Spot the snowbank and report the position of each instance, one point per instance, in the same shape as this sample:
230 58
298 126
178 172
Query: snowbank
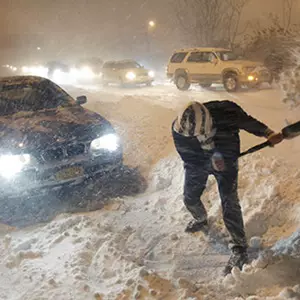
136 248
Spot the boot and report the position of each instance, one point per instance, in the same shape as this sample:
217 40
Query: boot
195 226
238 258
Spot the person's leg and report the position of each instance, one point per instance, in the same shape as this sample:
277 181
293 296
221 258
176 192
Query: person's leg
232 215
194 185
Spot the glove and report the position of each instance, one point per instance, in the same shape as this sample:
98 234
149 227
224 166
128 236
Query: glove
275 138
218 162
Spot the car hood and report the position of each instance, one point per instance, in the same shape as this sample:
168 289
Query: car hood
244 63
137 71
47 128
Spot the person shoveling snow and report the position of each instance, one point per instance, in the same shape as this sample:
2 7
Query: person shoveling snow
206 137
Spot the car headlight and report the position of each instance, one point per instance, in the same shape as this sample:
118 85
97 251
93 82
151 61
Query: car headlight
130 76
108 142
10 165
151 74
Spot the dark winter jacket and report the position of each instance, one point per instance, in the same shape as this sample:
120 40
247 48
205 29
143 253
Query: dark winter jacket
228 119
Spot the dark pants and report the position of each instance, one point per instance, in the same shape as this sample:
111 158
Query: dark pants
195 183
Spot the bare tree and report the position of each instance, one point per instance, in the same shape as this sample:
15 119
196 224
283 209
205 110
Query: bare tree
287 12
210 22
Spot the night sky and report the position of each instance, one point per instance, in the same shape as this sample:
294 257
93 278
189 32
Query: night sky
59 25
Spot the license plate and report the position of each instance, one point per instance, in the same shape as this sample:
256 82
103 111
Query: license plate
69 173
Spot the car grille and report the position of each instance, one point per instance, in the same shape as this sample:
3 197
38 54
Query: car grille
264 73
60 153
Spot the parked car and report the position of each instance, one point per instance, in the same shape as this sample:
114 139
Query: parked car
47 139
206 66
126 72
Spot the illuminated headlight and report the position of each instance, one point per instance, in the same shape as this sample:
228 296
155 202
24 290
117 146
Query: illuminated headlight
108 142
130 76
87 73
251 78
151 74
10 165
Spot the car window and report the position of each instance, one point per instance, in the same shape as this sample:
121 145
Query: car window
18 98
200 57
129 65
226 55
178 57
108 65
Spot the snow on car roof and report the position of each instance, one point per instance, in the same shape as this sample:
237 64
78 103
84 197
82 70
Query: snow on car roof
209 49
22 80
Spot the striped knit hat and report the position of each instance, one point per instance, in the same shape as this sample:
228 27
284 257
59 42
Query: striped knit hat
194 121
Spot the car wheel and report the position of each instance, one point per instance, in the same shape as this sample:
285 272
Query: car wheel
205 85
182 83
231 83
271 80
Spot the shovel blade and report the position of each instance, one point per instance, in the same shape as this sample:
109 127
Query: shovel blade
291 131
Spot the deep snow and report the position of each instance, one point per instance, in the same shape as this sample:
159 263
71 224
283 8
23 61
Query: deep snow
135 247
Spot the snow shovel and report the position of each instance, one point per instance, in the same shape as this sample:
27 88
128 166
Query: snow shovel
288 132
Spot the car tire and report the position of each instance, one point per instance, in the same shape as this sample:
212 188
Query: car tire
231 83
205 85
271 80
182 83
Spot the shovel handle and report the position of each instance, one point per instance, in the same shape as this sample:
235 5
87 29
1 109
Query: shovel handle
256 148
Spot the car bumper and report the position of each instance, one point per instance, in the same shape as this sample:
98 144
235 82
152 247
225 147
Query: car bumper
140 80
255 78
71 172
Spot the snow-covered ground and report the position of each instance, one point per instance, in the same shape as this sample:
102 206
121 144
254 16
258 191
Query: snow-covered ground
135 247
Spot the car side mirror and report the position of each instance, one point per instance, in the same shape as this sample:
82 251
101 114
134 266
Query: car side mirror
81 100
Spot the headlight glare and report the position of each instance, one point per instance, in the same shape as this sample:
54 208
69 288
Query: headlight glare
10 165
151 74
130 76
108 142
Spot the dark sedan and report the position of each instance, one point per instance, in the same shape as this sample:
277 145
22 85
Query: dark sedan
48 139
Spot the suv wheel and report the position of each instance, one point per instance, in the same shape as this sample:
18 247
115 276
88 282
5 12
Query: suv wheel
230 82
182 83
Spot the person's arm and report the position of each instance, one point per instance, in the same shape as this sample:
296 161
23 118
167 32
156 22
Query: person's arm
252 125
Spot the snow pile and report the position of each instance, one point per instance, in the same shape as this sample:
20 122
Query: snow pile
136 248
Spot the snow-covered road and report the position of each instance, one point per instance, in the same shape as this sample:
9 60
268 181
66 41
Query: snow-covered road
135 247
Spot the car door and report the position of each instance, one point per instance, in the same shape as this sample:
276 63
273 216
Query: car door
198 65
214 69
107 72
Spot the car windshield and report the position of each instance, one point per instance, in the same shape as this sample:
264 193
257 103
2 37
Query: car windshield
129 65
227 55
17 98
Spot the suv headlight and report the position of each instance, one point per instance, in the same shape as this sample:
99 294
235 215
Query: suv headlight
10 165
130 76
151 74
108 142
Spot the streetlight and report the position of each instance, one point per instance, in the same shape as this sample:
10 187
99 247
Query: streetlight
151 25
38 48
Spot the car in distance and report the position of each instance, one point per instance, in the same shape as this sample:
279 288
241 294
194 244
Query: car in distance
47 139
125 73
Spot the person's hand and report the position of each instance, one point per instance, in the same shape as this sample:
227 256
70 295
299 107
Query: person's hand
275 138
218 162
